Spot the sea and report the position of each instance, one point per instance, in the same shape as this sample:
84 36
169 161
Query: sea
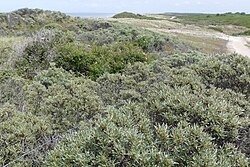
92 15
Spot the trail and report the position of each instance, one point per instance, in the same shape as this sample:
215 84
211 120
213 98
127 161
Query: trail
234 44
239 45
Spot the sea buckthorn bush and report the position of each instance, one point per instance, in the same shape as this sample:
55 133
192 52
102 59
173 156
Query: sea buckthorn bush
80 92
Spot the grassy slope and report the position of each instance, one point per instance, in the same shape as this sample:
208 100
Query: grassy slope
234 19
231 24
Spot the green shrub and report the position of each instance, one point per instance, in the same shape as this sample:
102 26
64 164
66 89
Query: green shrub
66 99
222 120
172 108
127 137
149 41
227 72
11 90
20 133
219 29
118 140
100 59
52 26
35 58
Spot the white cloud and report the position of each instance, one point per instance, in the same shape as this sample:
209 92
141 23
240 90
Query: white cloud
199 3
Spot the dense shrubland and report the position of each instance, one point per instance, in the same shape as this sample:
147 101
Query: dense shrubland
164 115
105 94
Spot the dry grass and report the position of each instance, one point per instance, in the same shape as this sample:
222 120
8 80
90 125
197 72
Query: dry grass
230 29
158 16
157 24
205 44
195 36
227 29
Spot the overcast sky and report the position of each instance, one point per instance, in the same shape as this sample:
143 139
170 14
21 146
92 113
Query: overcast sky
138 6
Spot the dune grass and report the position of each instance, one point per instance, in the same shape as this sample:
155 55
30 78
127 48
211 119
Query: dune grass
205 45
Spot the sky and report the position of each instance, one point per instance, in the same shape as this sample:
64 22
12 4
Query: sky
137 6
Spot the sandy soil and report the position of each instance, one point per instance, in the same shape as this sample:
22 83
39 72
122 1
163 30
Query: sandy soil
235 44
239 45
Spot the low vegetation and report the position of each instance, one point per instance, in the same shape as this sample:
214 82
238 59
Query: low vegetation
134 16
208 45
219 29
98 93
239 19
247 33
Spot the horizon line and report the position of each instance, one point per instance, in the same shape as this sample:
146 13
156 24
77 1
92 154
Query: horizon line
172 12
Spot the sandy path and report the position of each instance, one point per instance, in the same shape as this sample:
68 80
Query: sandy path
239 45
235 44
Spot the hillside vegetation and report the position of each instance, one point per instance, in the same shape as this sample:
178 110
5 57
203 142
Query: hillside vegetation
219 20
29 20
132 15
239 19
102 93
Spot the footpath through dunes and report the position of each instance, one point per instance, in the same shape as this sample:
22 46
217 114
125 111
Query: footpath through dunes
232 44
240 45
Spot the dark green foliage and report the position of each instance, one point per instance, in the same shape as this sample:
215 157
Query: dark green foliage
35 58
152 43
97 61
37 53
